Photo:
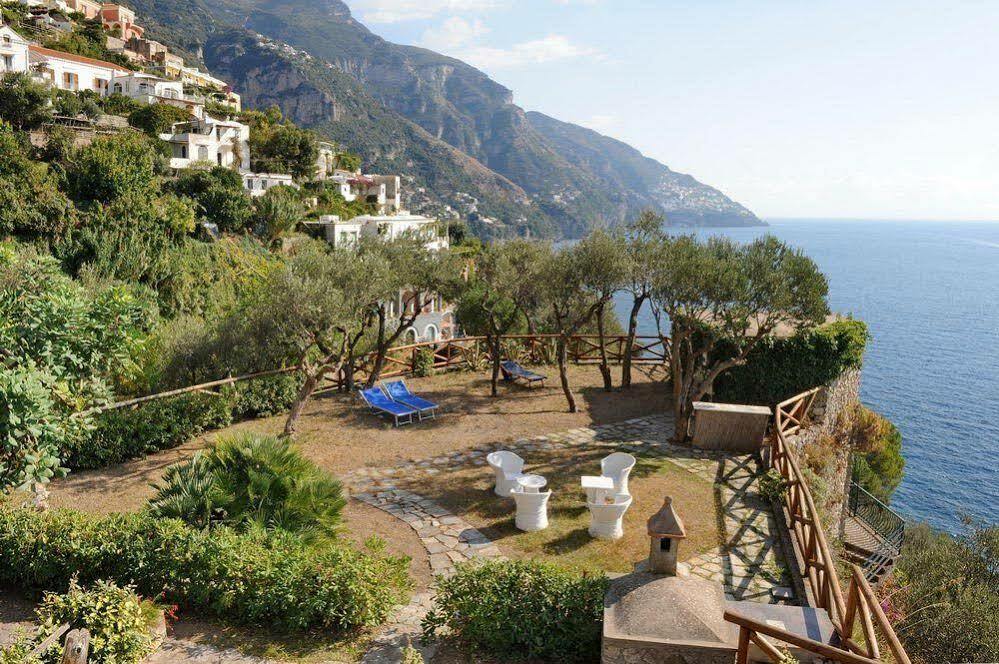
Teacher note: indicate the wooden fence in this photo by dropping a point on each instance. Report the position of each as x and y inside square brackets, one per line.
[817, 565]
[451, 353]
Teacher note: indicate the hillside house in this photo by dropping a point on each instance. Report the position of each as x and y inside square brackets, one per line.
[436, 320]
[257, 184]
[326, 162]
[13, 52]
[150, 89]
[200, 79]
[210, 141]
[89, 8]
[121, 20]
[67, 71]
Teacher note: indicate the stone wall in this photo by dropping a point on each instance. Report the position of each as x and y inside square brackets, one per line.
[831, 402]
[616, 653]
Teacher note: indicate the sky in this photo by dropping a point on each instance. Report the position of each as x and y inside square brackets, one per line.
[876, 110]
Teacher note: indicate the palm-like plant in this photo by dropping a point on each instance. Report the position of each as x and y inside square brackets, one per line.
[191, 492]
[249, 481]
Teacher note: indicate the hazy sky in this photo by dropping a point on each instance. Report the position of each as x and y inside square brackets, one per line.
[883, 109]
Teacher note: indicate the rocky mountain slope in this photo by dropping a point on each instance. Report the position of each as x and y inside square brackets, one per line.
[446, 125]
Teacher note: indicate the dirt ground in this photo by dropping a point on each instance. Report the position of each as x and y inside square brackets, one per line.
[339, 434]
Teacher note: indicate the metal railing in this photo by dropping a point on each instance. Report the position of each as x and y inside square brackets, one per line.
[881, 519]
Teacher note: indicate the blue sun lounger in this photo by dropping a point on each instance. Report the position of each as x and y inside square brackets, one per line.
[399, 392]
[381, 404]
[512, 372]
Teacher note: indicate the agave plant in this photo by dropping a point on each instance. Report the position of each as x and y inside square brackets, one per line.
[249, 481]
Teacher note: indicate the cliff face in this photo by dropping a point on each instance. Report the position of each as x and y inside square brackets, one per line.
[538, 173]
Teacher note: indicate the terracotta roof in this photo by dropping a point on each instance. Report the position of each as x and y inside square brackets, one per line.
[666, 522]
[50, 53]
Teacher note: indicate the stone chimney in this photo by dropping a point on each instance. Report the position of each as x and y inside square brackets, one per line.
[665, 532]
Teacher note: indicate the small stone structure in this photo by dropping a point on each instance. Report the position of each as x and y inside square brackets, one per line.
[730, 427]
[655, 619]
[665, 532]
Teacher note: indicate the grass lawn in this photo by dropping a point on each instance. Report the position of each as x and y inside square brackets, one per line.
[469, 493]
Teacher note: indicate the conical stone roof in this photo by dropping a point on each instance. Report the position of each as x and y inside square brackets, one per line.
[677, 610]
[666, 522]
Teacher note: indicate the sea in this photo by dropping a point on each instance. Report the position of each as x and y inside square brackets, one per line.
[929, 292]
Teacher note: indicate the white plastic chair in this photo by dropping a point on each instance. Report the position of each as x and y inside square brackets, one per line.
[508, 467]
[617, 466]
[607, 519]
[532, 509]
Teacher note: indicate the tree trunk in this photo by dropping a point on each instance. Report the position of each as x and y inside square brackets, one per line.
[308, 387]
[495, 346]
[676, 375]
[636, 307]
[379, 361]
[604, 368]
[348, 375]
[563, 374]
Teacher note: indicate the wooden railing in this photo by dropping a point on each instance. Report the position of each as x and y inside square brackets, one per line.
[460, 352]
[817, 565]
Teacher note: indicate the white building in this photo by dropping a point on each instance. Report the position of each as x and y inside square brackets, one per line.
[211, 141]
[257, 184]
[150, 89]
[436, 320]
[198, 78]
[67, 71]
[13, 51]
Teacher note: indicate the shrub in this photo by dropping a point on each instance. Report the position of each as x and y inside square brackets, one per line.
[878, 464]
[528, 608]
[773, 486]
[219, 196]
[780, 368]
[423, 362]
[157, 119]
[946, 608]
[251, 481]
[124, 434]
[252, 578]
[118, 622]
[268, 396]
[18, 650]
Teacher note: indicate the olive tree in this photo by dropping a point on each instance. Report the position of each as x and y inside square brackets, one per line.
[418, 276]
[487, 306]
[310, 310]
[722, 299]
[577, 282]
[644, 242]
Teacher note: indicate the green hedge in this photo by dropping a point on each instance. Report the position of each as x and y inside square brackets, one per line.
[522, 609]
[123, 434]
[265, 397]
[781, 368]
[251, 579]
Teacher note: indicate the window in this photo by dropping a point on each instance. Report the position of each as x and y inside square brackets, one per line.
[202, 153]
[118, 88]
[100, 85]
[431, 333]
[8, 63]
[7, 40]
[70, 81]
[219, 155]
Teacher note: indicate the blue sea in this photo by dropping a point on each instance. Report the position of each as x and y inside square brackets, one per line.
[929, 292]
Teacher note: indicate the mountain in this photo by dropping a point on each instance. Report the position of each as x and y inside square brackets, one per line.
[417, 111]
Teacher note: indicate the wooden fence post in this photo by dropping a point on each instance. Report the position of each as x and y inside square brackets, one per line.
[77, 647]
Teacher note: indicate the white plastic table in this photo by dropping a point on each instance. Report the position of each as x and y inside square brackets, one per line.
[531, 483]
[596, 486]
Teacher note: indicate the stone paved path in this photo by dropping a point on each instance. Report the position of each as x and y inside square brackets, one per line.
[748, 565]
[448, 541]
